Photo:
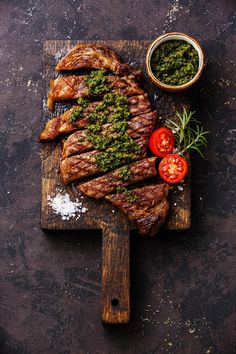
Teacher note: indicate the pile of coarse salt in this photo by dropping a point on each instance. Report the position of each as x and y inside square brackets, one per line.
[62, 205]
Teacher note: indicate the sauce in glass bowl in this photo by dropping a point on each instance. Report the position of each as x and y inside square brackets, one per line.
[175, 62]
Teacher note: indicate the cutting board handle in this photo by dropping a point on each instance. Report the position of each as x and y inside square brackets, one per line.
[115, 300]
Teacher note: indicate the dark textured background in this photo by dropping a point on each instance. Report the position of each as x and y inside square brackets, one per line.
[183, 285]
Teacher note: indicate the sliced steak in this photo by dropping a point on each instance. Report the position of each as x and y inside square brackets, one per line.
[148, 207]
[79, 166]
[62, 124]
[101, 186]
[140, 126]
[72, 87]
[97, 56]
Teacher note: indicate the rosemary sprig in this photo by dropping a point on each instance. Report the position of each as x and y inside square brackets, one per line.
[187, 137]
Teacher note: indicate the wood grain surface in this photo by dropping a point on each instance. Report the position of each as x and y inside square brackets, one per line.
[115, 299]
[101, 215]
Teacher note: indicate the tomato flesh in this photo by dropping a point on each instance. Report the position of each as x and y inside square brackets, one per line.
[173, 168]
[162, 142]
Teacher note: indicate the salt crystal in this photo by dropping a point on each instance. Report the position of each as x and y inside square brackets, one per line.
[63, 206]
[191, 330]
[171, 15]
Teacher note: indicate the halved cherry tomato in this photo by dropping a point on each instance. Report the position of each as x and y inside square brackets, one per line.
[173, 168]
[162, 142]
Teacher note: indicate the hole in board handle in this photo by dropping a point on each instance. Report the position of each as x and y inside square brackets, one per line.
[115, 302]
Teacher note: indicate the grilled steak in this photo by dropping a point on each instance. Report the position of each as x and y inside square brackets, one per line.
[93, 56]
[62, 125]
[72, 87]
[106, 184]
[119, 126]
[76, 143]
[140, 126]
[79, 166]
[148, 207]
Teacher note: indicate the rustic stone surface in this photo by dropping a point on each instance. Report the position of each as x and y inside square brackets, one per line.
[183, 285]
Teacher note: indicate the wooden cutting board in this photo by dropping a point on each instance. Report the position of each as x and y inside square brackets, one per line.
[115, 300]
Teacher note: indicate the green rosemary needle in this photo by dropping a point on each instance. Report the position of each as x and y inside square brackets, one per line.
[188, 132]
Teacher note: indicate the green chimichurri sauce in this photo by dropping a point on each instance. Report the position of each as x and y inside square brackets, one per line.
[119, 151]
[175, 62]
[125, 173]
[78, 110]
[97, 82]
[119, 146]
[131, 197]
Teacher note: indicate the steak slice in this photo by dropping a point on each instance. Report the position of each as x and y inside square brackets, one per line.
[79, 166]
[140, 126]
[62, 125]
[148, 208]
[87, 56]
[72, 87]
[106, 184]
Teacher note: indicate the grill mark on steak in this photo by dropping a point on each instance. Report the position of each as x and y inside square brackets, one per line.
[61, 125]
[140, 126]
[148, 211]
[72, 87]
[79, 166]
[87, 56]
[106, 184]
